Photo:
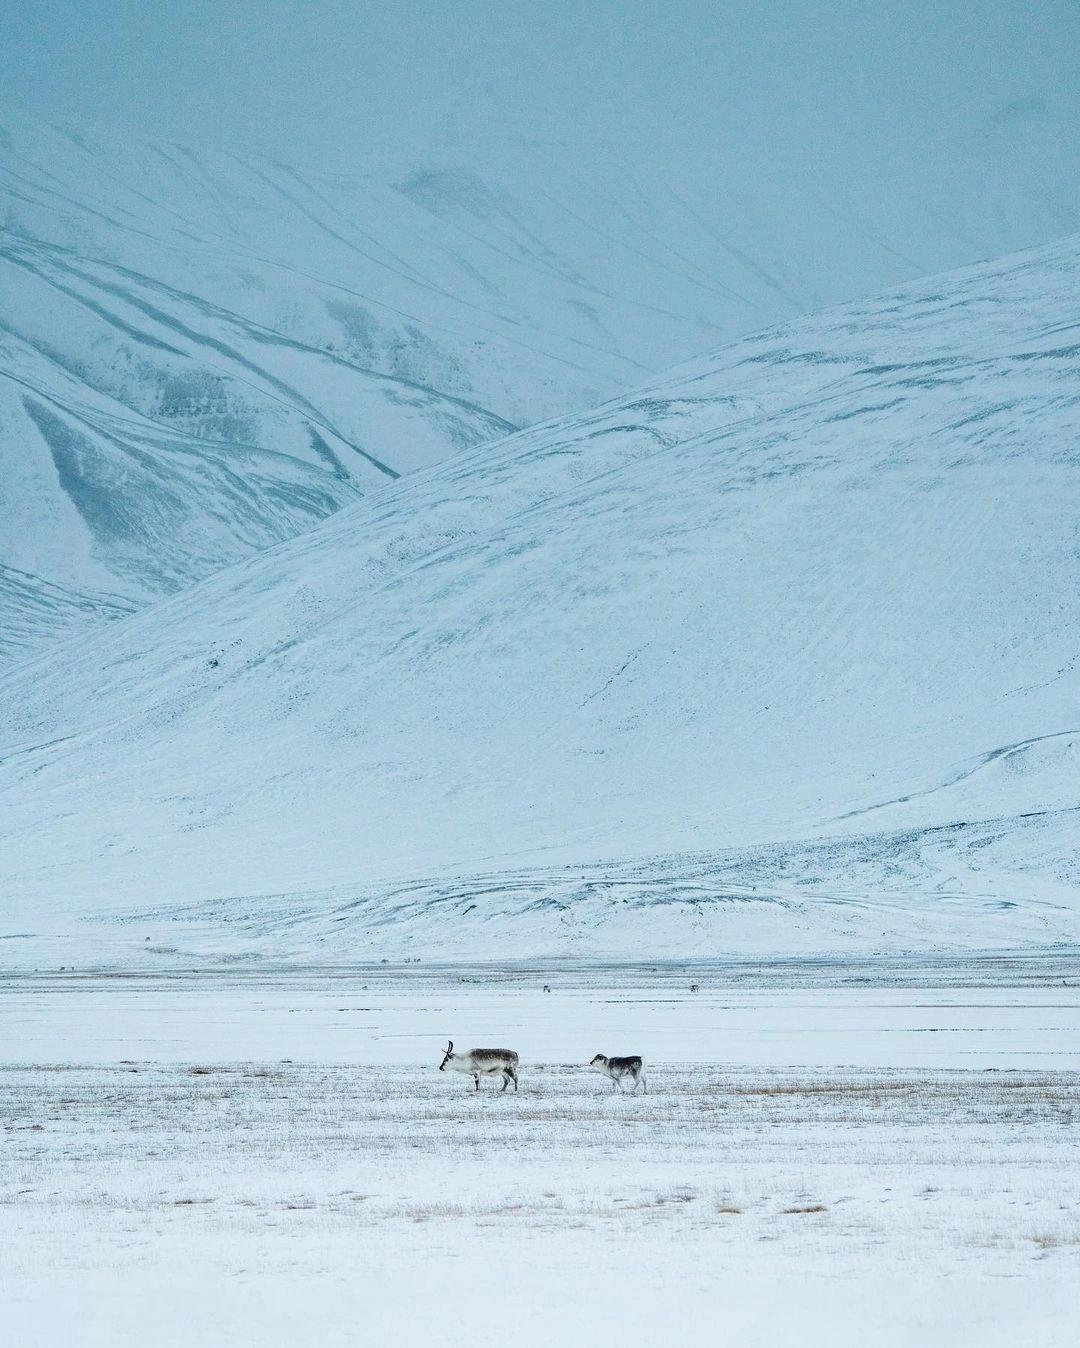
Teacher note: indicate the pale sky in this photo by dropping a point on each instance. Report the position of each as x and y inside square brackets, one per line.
[334, 79]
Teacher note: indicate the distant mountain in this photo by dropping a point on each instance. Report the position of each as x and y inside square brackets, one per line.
[203, 354]
[779, 652]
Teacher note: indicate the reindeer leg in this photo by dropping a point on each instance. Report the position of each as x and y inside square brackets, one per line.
[476, 1078]
[506, 1082]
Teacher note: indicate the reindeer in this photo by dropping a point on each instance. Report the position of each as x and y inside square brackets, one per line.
[618, 1068]
[480, 1062]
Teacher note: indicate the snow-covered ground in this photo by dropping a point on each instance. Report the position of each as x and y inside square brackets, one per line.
[836, 1156]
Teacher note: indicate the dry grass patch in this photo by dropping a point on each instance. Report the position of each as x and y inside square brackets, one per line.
[1055, 1240]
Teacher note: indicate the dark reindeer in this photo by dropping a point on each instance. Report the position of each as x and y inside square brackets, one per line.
[620, 1068]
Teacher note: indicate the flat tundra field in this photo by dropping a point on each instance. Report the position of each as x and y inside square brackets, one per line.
[818, 1160]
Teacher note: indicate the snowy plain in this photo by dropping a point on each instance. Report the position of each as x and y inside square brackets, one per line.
[826, 1155]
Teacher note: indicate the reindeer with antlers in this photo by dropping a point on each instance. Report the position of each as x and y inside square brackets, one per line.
[478, 1062]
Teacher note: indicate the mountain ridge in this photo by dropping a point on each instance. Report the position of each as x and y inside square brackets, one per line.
[358, 325]
[801, 587]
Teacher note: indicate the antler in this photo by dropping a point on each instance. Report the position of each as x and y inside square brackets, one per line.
[450, 1046]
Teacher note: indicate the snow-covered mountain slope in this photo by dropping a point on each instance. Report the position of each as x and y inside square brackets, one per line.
[804, 602]
[149, 432]
[200, 352]
[33, 612]
[122, 507]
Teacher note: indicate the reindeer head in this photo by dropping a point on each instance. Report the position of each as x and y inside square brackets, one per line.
[447, 1056]
[599, 1061]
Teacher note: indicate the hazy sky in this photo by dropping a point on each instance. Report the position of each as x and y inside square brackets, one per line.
[329, 78]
